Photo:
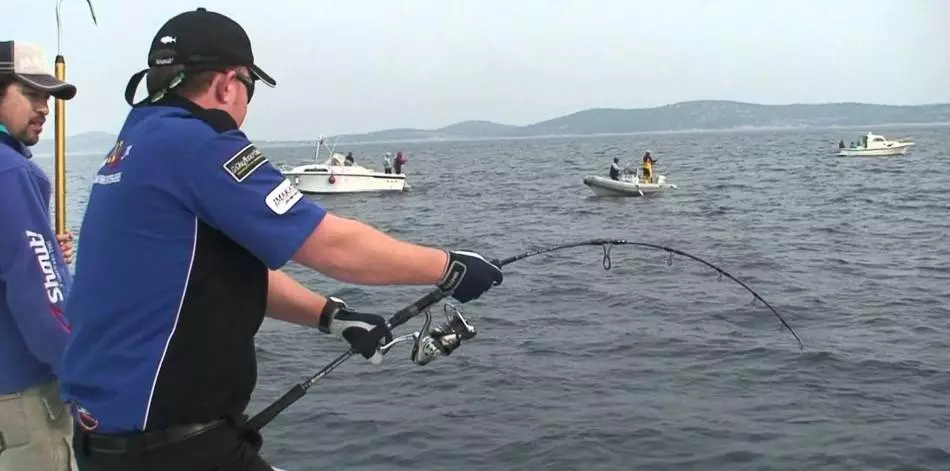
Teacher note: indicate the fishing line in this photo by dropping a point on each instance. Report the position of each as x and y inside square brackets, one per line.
[441, 340]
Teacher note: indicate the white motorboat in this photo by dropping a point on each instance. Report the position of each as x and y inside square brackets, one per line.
[874, 145]
[628, 185]
[335, 175]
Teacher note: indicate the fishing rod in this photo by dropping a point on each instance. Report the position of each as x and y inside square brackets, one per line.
[607, 244]
[432, 343]
[401, 317]
[59, 115]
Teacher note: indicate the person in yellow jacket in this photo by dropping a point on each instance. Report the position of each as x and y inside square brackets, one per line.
[648, 167]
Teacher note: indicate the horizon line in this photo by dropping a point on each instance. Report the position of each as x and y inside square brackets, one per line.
[603, 108]
[568, 135]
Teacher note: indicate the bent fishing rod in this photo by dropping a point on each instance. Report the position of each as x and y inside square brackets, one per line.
[431, 343]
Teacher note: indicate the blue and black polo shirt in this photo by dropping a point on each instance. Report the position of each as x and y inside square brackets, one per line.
[184, 219]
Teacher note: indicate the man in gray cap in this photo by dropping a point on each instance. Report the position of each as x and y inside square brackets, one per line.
[35, 425]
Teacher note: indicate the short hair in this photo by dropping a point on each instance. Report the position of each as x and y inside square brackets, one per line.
[160, 77]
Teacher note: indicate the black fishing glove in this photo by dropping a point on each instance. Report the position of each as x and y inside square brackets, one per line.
[362, 331]
[469, 275]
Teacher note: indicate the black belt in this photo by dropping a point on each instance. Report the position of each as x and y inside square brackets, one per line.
[144, 441]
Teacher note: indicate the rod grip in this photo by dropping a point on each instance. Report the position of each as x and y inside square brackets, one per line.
[410, 311]
[271, 411]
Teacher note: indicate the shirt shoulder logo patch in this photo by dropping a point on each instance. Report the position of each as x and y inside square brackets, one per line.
[245, 162]
[283, 197]
[117, 154]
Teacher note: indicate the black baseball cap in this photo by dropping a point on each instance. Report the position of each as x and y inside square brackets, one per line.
[202, 37]
[27, 64]
[199, 39]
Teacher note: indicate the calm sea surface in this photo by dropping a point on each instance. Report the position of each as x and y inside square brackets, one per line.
[646, 366]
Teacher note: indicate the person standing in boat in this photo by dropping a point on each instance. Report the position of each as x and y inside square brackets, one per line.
[400, 161]
[349, 159]
[388, 162]
[648, 167]
[615, 169]
[166, 303]
[34, 274]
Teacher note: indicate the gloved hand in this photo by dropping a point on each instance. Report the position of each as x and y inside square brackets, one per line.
[469, 275]
[362, 331]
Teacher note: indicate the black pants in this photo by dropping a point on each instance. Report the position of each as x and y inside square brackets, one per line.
[226, 448]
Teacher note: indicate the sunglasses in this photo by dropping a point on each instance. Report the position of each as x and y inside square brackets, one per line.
[248, 82]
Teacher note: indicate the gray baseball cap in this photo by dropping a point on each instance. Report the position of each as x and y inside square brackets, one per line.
[28, 65]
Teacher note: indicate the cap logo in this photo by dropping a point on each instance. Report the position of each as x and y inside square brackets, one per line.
[29, 60]
[168, 40]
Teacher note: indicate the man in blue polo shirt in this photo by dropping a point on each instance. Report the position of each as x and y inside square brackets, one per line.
[186, 228]
[34, 280]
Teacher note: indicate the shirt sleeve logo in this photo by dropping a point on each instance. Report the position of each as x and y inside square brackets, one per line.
[245, 162]
[283, 197]
[44, 256]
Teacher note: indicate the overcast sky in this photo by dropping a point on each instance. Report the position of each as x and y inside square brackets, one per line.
[348, 66]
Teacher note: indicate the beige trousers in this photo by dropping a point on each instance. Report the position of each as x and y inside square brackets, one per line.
[37, 431]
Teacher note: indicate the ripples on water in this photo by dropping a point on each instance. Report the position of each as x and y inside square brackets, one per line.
[646, 366]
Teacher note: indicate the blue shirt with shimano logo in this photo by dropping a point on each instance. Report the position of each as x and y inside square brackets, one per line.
[34, 279]
[184, 219]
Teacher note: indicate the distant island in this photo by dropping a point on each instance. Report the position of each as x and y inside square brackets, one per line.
[703, 115]
[83, 143]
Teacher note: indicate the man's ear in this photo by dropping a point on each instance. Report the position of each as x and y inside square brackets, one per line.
[221, 86]
[217, 88]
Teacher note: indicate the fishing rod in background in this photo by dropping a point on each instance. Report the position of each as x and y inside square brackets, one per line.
[431, 343]
[59, 116]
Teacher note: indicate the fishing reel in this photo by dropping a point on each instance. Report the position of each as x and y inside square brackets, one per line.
[430, 342]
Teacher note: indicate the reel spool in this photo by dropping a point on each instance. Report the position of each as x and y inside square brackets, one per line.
[431, 343]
